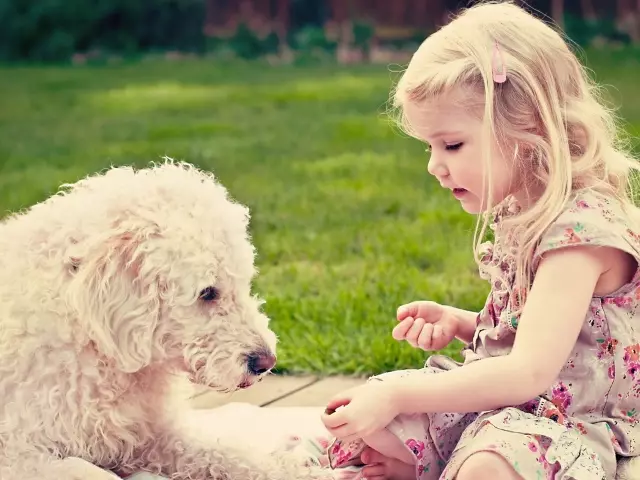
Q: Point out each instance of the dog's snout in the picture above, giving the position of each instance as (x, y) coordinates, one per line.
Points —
(260, 362)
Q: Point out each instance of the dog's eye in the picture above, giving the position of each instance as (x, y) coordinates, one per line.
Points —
(209, 294)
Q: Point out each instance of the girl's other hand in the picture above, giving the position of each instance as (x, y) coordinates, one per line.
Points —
(426, 325)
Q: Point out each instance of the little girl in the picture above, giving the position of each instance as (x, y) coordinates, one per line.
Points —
(550, 383)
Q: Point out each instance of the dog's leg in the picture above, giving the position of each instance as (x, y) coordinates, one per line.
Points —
(41, 468)
(78, 469)
(180, 460)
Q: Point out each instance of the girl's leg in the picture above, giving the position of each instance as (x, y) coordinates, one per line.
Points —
(486, 465)
(390, 446)
(387, 458)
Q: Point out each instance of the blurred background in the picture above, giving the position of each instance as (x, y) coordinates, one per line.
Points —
(351, 30)
(285, 101)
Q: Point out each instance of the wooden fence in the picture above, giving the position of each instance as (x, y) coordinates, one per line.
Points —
(397, 18)
(223, 16)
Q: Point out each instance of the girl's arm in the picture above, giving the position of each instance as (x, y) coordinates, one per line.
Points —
(466, 321)
(551, 320)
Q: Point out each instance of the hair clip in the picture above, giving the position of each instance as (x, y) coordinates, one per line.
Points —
(499, 67)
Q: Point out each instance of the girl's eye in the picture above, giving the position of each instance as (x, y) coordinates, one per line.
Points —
(453, 146)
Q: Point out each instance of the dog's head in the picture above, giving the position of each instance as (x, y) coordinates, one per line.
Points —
(162, 273)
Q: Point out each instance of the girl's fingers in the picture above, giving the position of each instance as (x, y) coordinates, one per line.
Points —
(419, 308)
(438, 339)
(414, 332)
(405, 311)
(374, 471)
(425, 340)
(400, 330)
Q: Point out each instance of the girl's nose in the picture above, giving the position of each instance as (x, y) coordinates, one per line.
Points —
(436, 168)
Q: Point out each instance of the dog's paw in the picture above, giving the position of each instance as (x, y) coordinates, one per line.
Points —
(309, 452)
(326, 473)
(78, 469)
(299, 464)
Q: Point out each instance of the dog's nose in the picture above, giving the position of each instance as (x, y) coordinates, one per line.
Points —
(259, 363)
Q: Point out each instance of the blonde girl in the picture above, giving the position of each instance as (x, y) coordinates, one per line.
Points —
(550, 383)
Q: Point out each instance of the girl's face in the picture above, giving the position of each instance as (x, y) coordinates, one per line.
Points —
(455, 139)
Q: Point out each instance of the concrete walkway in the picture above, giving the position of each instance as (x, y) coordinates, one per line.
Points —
(279, 391)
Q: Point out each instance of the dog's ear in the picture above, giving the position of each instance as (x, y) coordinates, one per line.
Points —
(116, 294)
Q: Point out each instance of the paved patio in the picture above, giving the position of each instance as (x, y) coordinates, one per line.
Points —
(279, 391)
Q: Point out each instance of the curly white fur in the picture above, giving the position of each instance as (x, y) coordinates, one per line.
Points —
(100, 307)
(628, 469)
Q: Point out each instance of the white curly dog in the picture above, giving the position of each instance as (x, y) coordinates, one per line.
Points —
(107, 290)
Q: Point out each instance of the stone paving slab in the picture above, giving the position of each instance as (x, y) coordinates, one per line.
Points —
(269, 390)
(279, 391)
(317, 393)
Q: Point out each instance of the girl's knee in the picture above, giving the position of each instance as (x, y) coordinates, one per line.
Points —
(486, 465)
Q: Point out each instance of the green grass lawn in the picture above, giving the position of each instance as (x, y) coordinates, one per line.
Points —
(346, 221)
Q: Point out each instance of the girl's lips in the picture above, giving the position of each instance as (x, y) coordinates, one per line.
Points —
(459, 192)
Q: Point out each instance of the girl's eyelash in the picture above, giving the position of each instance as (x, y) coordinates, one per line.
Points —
(453, 146)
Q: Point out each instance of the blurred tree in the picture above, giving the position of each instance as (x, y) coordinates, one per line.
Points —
(628, 18)
(588, 11)
(305, 13)
(53, 30)
(557, 12)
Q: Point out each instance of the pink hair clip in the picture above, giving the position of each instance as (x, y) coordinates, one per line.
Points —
(499, 67)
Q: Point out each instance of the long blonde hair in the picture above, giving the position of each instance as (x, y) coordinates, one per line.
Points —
(548, 113)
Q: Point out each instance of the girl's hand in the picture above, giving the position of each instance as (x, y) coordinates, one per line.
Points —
(426, 325)
(360, 411)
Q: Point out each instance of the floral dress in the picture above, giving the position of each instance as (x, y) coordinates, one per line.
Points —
(587, 417)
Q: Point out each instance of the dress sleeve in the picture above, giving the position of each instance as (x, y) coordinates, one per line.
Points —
(590, 219)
